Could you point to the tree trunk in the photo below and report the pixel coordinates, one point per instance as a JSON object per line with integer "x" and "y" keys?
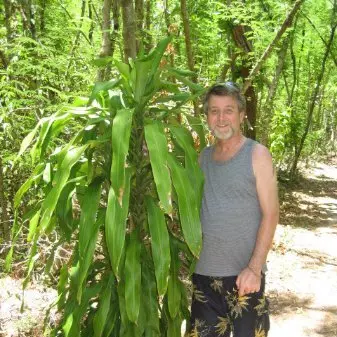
{"x": 8, "y": 19}
{"x": 187, "y": 32}
{"x": 168, "y": 30}
{"x": 90, "y": 16}
{"x": 148, "y": 38}
{"x": 241, "y": 41}
{"x": 314, "y": 98}
{"x": 188, "y": 45}
{"x": 42, "y": 16}
{"x": 106, "y": 48}
{"x": 129, "y": 30}
{"x": 28, "y": 18}
{"x": 139, "y": 9}
{"x": 268, "y": 106}
{"x": 4, "y": 228}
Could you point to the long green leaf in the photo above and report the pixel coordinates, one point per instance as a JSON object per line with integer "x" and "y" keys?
{"x": 185, "y": 141}
{"x": 150, "y": 302}
{"x": 37, "y": 173}
{"x": 115, "y": 224}
{"x": 133, "y": 276}
{"x": 45, "y": 128}
{"x": 196, "y": 124}
{"x": 100, "y": 321}
{"x": 160, "y": 244}
{"x": 157, "y": 145}
{"x": 188, "y": 208}
{"x": 102, "y": 86}
{"x": 29, "y": 138}
{"x": 33, "y": 225}
{"x": 59, "y": 181}
{"x": 120, "y": 138}
{"x": 88, "y": 230}
{"x": 173, "y": 290}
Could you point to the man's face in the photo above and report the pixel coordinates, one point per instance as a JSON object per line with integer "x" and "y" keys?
{"x": 223, "y": 116}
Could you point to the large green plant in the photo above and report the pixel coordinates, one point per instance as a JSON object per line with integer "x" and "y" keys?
{"x": 132, "y": 172}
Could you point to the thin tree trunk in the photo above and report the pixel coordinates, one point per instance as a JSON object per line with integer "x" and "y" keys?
{"x": 241, "y": 41}
{"x": 168, "y": 29}
{"x": 129, "y": 30}
{"x": 139, "y": 10}
{"x": 4, "y": 228}
{"x": 293, "y": 59}
{"x": 90, "y": 16}
{"x": 314, "y": 98}
{"x": 188, "y": 45}
{"x": 42, "y": 16}
{"x": 187, "y": 32}
{"x": 3, "y": 59}
{"x": 286, "y": 24}
{"x": 28, "y": 18}
{"x": 268, "y": 108}
{"x": 106, "y": 48}
{"x": 148, "y": 37}
{"x": 334, "y": 58}
{"x": 8, "y": 20}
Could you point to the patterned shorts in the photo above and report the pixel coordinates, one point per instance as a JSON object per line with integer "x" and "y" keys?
{"x": 218, "y": 310}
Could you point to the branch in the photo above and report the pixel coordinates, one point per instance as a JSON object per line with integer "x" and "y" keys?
{"x": 286, "y": 24}
{"x": 321, "y": 37}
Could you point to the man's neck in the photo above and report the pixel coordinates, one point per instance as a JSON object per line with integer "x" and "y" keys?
{"x": 224, "y": 146}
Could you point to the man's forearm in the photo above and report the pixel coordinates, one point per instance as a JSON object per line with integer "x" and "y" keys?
{"x": 264, "y": 241}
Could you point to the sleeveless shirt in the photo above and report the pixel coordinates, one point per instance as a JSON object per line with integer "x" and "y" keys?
{"x": 230, "y": 213}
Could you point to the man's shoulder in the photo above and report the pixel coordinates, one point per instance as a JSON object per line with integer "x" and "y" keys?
{"x": 260, "y": 150}
{"x": 262, "y": 159}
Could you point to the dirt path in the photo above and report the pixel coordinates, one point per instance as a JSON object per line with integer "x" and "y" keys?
{"x": 302, "y": 278}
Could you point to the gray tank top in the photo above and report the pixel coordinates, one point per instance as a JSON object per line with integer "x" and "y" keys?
{"x": 230, "y": 213}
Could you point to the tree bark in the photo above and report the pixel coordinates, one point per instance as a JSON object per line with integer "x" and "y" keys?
{"x": 28, "y": 17}
{"x": 106, "y": 48}
{"x": 241, "y": 41}
{"x": 314, "y": 97}
{"x": 129, "y": 30}
{"x": 139, "y": 9}
{"x": 187, "y": 32}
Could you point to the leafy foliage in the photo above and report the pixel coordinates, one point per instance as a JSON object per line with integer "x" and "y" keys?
{"x": 138, "y": 203}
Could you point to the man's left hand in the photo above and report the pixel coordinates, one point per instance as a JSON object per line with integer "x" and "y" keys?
{"x": 248, "y": 282}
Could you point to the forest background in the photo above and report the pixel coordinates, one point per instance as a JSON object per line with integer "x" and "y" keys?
{"x": 68, "y": 69}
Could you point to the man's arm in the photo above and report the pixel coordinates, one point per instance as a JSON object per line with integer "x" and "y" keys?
{"x": 249, "y": 280}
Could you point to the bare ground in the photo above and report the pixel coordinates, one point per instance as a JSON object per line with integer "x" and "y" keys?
{"x": 302, "y": 277}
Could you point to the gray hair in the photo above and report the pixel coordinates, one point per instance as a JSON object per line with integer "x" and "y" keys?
{"x": 225, "y": 89}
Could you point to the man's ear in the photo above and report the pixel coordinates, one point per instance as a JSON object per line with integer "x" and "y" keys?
{"x": 242, "y": 116}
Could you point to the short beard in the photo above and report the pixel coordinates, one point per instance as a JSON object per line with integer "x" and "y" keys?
{"x": 223, "y": 135}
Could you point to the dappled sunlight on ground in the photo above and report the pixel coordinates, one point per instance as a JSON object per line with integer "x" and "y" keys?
{"x": 302, "y": 277}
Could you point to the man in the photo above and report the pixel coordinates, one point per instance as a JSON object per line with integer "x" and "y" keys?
{"x": 239, "y": 215}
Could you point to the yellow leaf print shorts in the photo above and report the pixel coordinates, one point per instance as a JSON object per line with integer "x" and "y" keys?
{"x": 218, "y": 310}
